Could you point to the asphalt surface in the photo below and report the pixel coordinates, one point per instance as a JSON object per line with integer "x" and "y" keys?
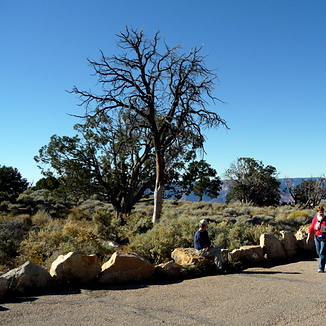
{"x": 290, "y": 294}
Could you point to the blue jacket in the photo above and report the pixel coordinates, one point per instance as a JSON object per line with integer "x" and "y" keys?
{"x": 201, "y": 240}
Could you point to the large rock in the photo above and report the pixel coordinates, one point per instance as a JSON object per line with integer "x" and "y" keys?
{"x": 272, "y": 247}
{"x": 170, "y": 270}
{"x": 188, "y": 257}
{"x": 28, "y": 279}
{"x": 3, "y": 286}
{"x": 252, "y": 254}
{"x": 301, "y": 237}
{"x": 235, "y": 255}
{"x": 289, "y": 242}
{"x": 125, "y": 268}
{"x": 75, "y": 268}
{"x": 225, "y": 254}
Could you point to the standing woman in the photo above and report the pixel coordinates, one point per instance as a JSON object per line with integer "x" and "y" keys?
{"x": 318, "y": 228}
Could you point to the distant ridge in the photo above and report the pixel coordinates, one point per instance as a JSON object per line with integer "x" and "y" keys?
{"x": 285, "y": 197}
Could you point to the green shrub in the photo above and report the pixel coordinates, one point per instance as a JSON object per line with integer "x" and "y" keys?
{"x": 220, "y": 234}
{"x": 11, "y": 235}
{"x": 4, "y": 205}
{"x": 25, "y": 199}
{"x": 93, "y": 224}
{"x": 250, "y": 234}
{"x": 91, "y": 206}
{"x": 293, "y": 220}
{"x": 258, "y": 211}
{"x": 41, "y": 218}
{"x": 233, "y": 236}
{"x": 139, "y": 223}
{"x": 157, "y": 243}
{"x": 229, "y": 212}
{"x": 77, "y": 213}
{"x": 59, "y": 211}
{"x": 301, "y": 217}
{"x": 106, "y": 225}
{"x": 42, "y": 246}
{"x": 185, "y": 208}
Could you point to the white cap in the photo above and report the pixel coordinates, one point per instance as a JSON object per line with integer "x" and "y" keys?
{"x": 203, "y": 222}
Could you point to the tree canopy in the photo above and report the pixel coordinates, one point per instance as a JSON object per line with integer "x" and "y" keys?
{"x": 252, "y": 182}
{"x": 108, "y": 158}
{"x": 309, "y": 192}
{"x": 202, "y": 179}
{"x": 49, "y": 183}
{"x": 11, "y": 183}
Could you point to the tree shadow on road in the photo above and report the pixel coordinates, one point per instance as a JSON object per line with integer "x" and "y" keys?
{"x": 267, "y": 272}
{"x": 13, "y": 299}
{"x": 270, "y": 263}
{"x": 136, "y": 285}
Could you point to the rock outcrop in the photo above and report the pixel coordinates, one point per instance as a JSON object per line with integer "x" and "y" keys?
{"x": 170, "y": 270}
{"x": 272, "y": 247}
{"x": 289, "y": 243}
{"x": 301, "y": 237}
{"x": 124, "y": 268}
{"x": 189, "y": 258}
{"x": 251, "y": 254}
{"x": 75, "y": 268}
{"x": 28, "y": 278}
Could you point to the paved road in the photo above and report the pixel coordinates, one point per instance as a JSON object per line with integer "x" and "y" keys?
{"x": 291, "y": 294}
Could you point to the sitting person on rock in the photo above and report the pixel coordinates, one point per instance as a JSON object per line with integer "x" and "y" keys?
{"x": 203, "y": 245}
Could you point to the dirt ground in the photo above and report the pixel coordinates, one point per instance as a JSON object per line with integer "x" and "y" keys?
{"x": 290, "y": 294}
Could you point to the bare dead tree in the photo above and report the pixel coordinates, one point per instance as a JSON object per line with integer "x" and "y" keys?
{"x": 166, "y": 91}
{"x": 309, "y": 193}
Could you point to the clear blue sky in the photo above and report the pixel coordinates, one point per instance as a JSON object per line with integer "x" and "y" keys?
{"x": 269, "y": 54}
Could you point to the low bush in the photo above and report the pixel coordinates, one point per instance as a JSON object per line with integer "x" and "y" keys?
{"x": 300, "y": 216}
{"x": 91, "y": 227}
{"x": 11, "y": 234}
{"x": 4, "y": 205}
{"x": 229, "y": 212}
{"x": 43, "y": 246}
{"x": 294, "y": 219}
{"x": 41, "y": 218}
{"x": 220, "y": 234}
{"x": 107, "y": 225}
{"x": 138, "y": 223}
{"x": 77, "y": 213}
{"x": 157, "y": 243}
{"x": 233, "y": 236}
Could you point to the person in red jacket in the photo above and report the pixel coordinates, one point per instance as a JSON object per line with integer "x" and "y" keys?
{"x": 318, "y": 229}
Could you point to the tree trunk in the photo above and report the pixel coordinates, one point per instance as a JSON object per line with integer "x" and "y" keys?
{"x": 159, "y": 187}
